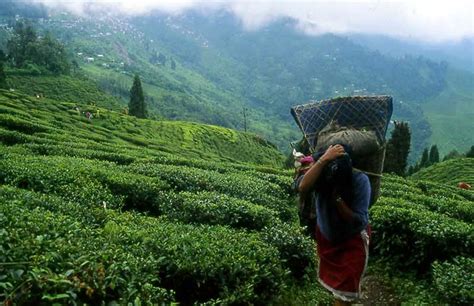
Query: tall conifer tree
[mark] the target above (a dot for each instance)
(3, 76)
(434, 155)
(136, 106)
(425, 159)
(470, 153)
(398, 148)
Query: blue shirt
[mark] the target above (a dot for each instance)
(329, 221)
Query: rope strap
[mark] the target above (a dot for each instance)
(368, 173)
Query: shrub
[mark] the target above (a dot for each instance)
(11, 137)
(14, 123)
(454, 280)
(459, 209)
(68, 150)
(414, 237)
(215, 208)
(52, 258)
(139, 192)
(297, 251)
(201, 263)
(130, 257)
(236, 185)
(83, 181)
(55, 176)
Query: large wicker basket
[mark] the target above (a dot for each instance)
(359, 112)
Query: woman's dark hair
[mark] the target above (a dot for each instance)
(337, 175)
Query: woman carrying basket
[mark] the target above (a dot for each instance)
(343, 230)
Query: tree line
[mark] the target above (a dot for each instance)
(398, 148)
(38, 54)
(46, 55)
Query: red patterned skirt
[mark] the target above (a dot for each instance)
(342, 265)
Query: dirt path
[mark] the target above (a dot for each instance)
(376, 291)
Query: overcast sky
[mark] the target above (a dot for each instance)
(427, 20)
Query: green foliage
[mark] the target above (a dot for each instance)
(3, 76)
(449, 172)
(63, 88)
(137, 106)
(425, 159)
(237, 185)
(50, 257)
(124, 134)
(470, 153)
(54, 175)
(452, 154)
(408, 287)
(216, 208)
(63, 166)
(66, 259)
(450, 113)
(296, 249)
(119, 210)
(434, 155)
(21, 125)
(304, 293)
(454, 280)
(414, 237)
(398, 148)
(26, 48)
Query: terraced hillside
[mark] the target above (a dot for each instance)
(118, 209)
(62, 88)
(449, 172)
(51, 127)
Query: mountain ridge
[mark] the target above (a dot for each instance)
(222, 71)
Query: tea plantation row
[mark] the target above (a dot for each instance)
(427, 228)
(25, 119)
(409, 229)
(86, 189)
(449, 172)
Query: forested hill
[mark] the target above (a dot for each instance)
(208, 68)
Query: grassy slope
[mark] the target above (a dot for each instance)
(64, 88)
(451, 113)
(449, 172)
(144, 137)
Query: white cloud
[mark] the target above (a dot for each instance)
(419, 20)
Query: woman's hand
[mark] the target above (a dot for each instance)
(333, 152)
(310, 178)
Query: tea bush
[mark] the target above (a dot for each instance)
(454, 280)
(51, 258)
(449, 172)
(237, 185)
(215, 208)
(459, 209)
(296, 250)
(416, 237)
(21, 125)
(11, 137)
(71, 260)
(54, 176)
(203, 262)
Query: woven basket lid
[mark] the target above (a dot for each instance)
(359, 112)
